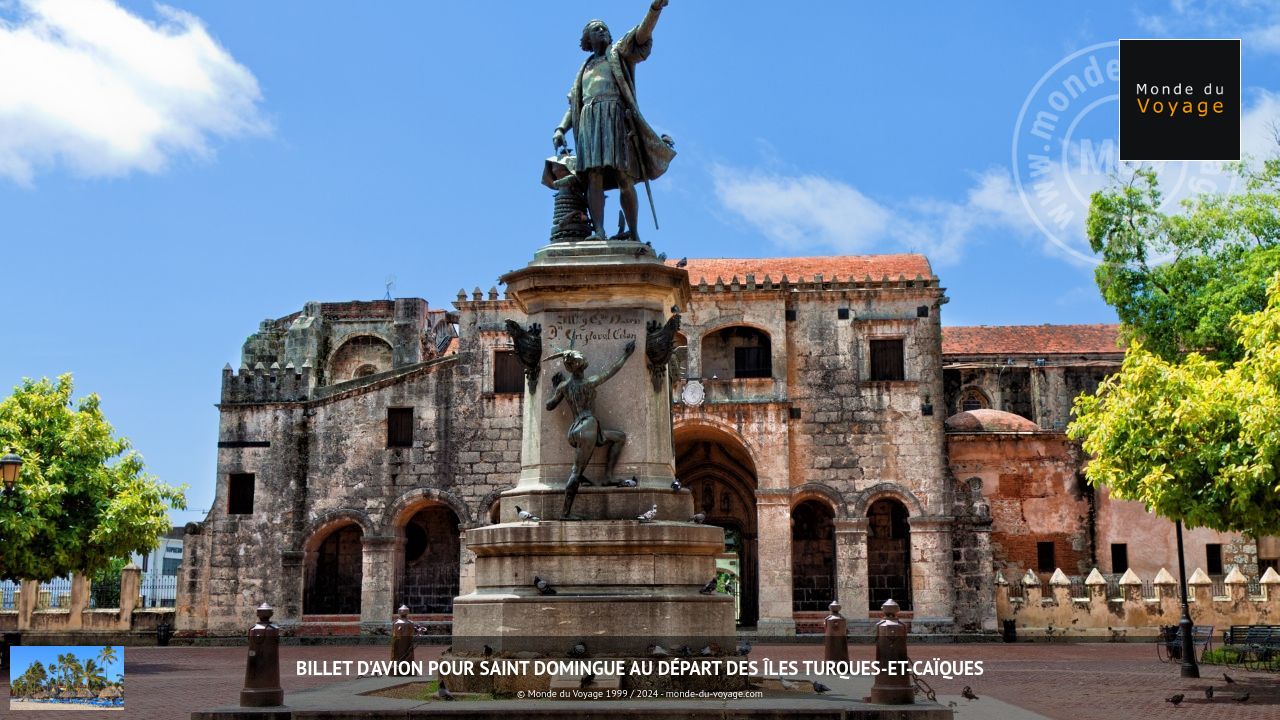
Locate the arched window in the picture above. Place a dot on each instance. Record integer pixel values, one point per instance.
(973, 399)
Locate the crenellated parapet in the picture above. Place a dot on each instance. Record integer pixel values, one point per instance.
(262, 384)
(1131, 608)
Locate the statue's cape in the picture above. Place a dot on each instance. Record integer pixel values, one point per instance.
(622, 57)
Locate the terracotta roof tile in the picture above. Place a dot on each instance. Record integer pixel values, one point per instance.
(795, 268)
(1031, 340)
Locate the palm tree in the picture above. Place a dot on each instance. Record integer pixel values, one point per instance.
(107, 655)
(93, 676)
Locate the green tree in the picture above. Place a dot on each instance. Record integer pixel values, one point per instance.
(1196, 439)
(1177, 279)
(83, 498)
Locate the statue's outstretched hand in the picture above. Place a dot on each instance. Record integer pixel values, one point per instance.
(630, 347)
(557, 140)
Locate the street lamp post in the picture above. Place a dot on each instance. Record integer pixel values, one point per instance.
(10, 464)
(1189, 667)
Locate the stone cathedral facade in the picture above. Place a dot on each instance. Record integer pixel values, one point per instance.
(850, 447)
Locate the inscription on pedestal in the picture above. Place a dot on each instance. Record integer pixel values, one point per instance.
(586, 327)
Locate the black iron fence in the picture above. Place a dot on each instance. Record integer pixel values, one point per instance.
(159, 591)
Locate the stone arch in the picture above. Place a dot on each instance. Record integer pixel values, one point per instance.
(888, 552)
(411, 501)
(488, 508)
(332, 519)
(813, 554)
(719, 468)
(356, 354)
(333, 561)
(427, 523)
(738, 350)
(863, 499)
(824, 493)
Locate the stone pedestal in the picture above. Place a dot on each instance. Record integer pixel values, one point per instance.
(620, 585)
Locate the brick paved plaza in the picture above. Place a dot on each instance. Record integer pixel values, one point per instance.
(1076, 682)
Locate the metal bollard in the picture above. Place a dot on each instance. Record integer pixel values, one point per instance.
(402, 631)
(892, 688)
(262, 669)
(835, 639)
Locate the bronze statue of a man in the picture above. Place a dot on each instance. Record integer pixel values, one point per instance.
(616, 147)
(586, 433)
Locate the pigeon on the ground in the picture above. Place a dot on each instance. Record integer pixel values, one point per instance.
(1228, 679)
(526, 515)
(578, 650)
(698, 518)
(709, 588)
(442, 692)
(544, 587)
(744, 648)
(587, 680)
(1208, 692)
(675, 485)
(629, 482)
(1241, 698)
(1176, 699)
(488, 651)
(682, 262)
(787, 684)
(686, 651)
(820, 688)
(658, 651)
(967, 693)
(706, 651)
(649, 515)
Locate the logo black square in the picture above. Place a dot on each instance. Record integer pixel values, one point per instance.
(1179, 99)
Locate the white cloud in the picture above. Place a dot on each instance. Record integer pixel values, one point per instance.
(86, 84)
(1259, 125)
(801, 212)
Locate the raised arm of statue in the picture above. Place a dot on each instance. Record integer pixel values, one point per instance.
(616, 366)
(645, 31)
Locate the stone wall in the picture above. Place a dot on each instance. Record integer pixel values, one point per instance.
(1032, 485)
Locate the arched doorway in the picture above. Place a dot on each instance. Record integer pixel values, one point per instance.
(888, 554)
(719, 472)
(334, 571)
(813, 556)
(429, 560)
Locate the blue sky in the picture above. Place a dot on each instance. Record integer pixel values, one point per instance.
(172, 175)
(24, 655)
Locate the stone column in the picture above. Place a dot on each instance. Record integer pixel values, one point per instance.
(986, 571)
(79, 601)
(773, 527)
(377, 586)
(932, 593)
(130, 588)
(28, 597)
(851, 567)
(291, 588)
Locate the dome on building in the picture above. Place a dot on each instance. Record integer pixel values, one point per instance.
(973, 421)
